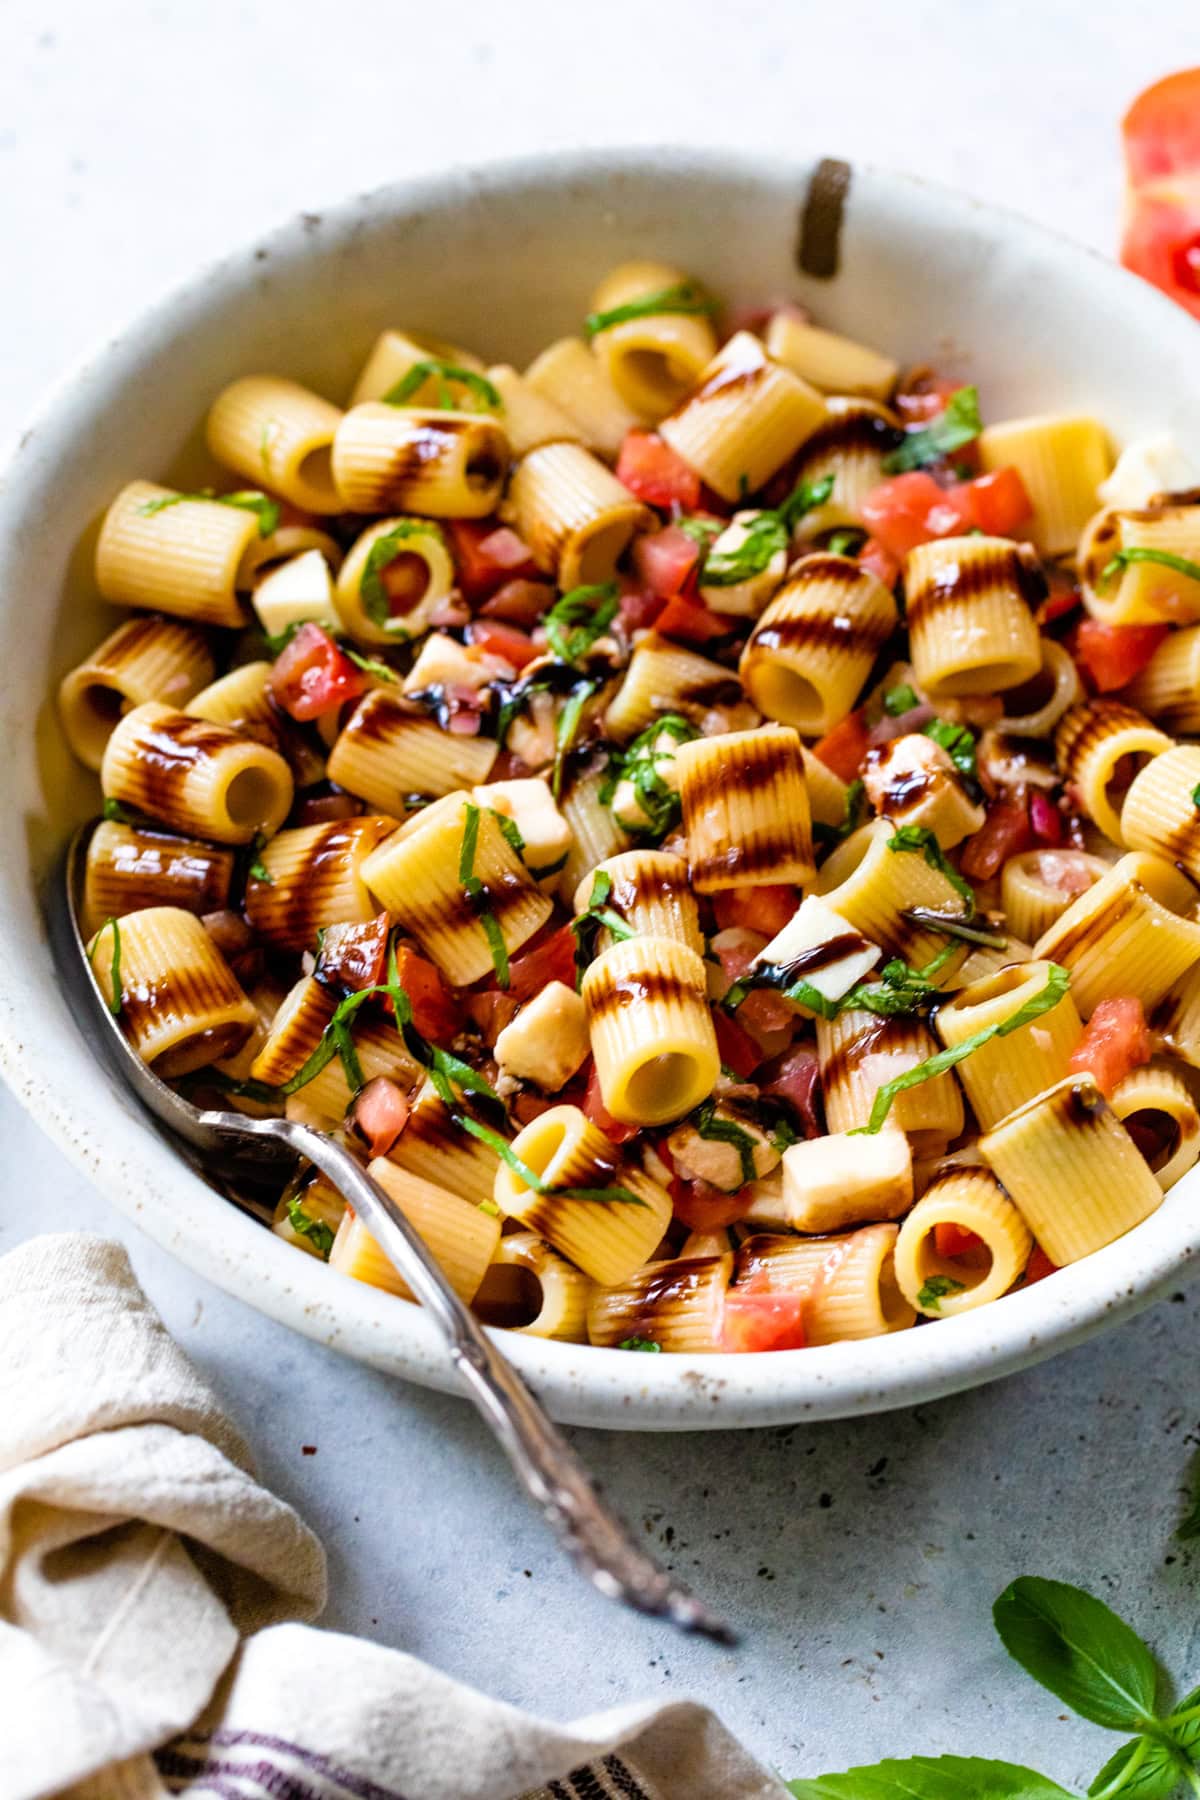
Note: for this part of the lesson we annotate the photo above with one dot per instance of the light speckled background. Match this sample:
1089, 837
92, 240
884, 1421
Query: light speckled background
136, 140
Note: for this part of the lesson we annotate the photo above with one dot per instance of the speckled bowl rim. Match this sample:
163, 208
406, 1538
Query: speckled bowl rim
133, 1167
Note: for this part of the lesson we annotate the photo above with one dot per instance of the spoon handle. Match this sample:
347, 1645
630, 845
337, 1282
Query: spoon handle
547, 1467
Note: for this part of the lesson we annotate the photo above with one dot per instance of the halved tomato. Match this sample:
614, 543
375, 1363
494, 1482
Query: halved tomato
495, 638
666, 561
689, 622
997, 503
766, 908
550, 959
353, 956
435, 1012
1004, 833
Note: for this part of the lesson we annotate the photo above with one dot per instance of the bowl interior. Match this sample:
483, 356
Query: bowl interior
504, 261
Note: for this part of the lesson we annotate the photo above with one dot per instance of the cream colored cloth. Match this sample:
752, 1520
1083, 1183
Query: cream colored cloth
150, 1593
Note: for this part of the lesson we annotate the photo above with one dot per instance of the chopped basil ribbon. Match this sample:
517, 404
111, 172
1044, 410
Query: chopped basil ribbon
383, 551
316, 1231
1182, 565
638, 1343
1195, 797
701, 531
954, 927
725, 1131
568, 725
922, 841
116, 998
935, 1291
596, 916
900, 989
370, 665
684, 297
575, 622
1057, 983
509, 830
900, 700
246, 499
258, 869
766, 535
448, 376
543, 871
958, 424
638, 764
475, 891
957, 742
115, 812
523, 1172
846, 542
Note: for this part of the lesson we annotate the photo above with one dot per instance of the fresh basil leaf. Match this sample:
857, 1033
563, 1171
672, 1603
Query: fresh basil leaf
567, 726
1080, 1649
507, 1155
638, 764
921, 841
316, 1231
900, 700
448, 376
935, 1290
575, 622
113, 810
509, 830
683, 297
805, 497
717, 1130
1167, 558
957, 742
247, 499
258, 868
1196, 794
931, 1778
701, 531
370, 665
116, 998
847, 541
1142, 1769
475, 891
958, 424
639, 1343
765, 537
385, 549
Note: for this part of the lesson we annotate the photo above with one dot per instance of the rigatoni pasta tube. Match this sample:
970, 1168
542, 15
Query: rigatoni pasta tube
654, 359
162, 551
1037, 887
313, 877
415, 874
242, 701
870, 885
1061, 462
971, 1200
805, 662
677, 1305
449, 465
664, 677
1094, 742
144, 659
1058, 679
434, 1146
1005, 1072
1072, 1169
574, 514
395, 353
835, 364
743, 419
572, 379
649, 890
971, 623
1177, 1019
607, 1239
850, 448
595, 833
1168, 688
129, 868
294, 1032
1128, 934
529, 1287
826, 791
652, 1033
1156, 1107
278, 433
1141, 589
1161, 812
195, 776
393, 579
860, 1052
848, 1282
530, 419
319, 1208
387, 751
177, 999
462, 1239
745, 809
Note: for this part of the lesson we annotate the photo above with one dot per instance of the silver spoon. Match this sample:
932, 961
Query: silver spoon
548, 1469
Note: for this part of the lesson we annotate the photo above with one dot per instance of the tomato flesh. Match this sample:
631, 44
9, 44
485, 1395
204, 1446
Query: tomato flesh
844, 748
666, 561
997, 503
955, 1240
691, 623
1112, 655
652, 471
1005, 832
766, 908
352, 957
435, 1013
379, 1114
593, 1105
486, 555
879, 562
311, 676
737, 1049
494, 638
911, 509
759, 1318
553, 959
1038, 1266
1115, 1041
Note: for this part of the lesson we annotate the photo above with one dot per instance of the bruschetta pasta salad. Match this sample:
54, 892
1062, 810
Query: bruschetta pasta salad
710, 819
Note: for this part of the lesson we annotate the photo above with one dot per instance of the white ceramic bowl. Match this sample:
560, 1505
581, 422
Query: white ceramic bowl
504, 260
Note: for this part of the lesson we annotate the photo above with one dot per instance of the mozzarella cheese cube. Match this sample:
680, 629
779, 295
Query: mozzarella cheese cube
298, 592
547, 1041
846, 1178
444, 662
531, 807
912, 781
1147, 467
744, 598
815, 933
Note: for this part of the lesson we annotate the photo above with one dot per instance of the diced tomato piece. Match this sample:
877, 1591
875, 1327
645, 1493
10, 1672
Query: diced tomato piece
638, 610
954, 1240
495, 638
907, 510
759, 1318
353, 956
1161, 133
738, 1050
489, 1010
649, 468
703, 1207
998, 503
1063, 598
435, 1013
311, 676
1045, 820
1111, 655
796, 1078
1161, 243
691, 623
844, 748
879, 562
593, 1105
1005, 832
486, 555
924, 397
769, 1018
666, 562
1038, 1266
379, 1114
519, 602
1115, 1041
766, 908
1161, 130
551, 958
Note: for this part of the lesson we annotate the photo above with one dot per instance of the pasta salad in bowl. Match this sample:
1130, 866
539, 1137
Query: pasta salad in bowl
705, 802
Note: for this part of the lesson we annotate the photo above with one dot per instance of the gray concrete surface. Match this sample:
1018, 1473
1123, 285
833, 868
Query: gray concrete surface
136, 139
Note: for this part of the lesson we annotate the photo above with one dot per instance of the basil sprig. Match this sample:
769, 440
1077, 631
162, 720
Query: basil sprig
683, 297
958, 424
448, 376
245, 499
575, 622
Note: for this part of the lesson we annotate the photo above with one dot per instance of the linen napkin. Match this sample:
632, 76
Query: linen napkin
153, 1599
